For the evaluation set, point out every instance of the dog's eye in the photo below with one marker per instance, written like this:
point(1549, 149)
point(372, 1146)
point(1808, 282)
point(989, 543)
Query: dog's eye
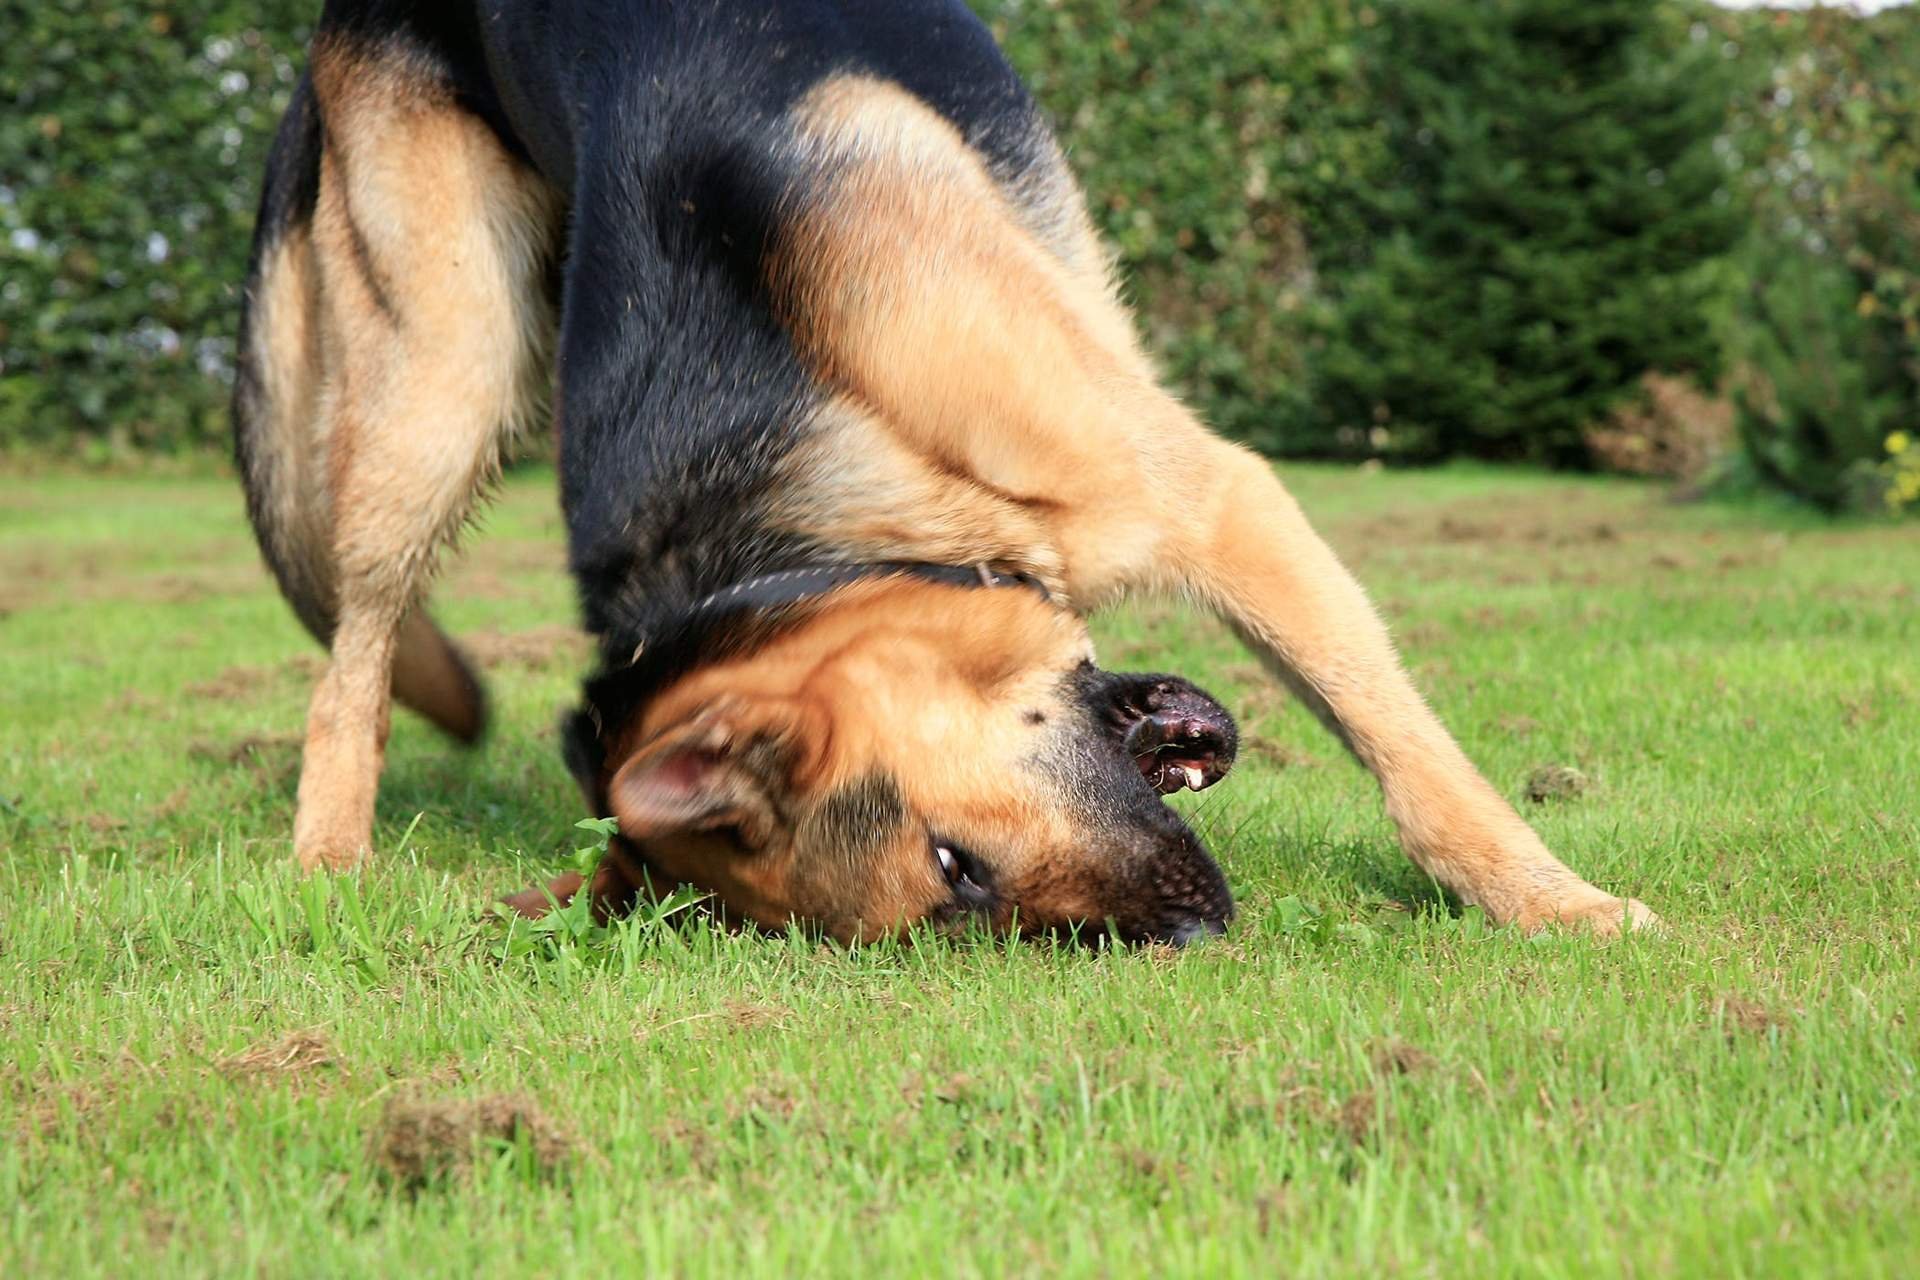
point(958, 866)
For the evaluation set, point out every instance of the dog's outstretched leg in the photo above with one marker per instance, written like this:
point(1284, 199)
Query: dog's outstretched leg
point(1255, 559)
point(408, 312)
point(1008, 360)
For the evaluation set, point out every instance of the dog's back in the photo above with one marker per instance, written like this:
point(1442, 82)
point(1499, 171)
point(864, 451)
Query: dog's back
point(814, 292)
point(662, 136)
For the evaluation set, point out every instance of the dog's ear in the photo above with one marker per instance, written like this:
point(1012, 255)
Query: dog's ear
point(724, 773)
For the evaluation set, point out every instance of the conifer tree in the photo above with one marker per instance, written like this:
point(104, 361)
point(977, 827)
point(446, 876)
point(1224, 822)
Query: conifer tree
point(1555, 193)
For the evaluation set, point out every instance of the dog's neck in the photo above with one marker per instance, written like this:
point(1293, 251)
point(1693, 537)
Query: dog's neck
point(728, 623)
point(733, 620)
point(789, 587)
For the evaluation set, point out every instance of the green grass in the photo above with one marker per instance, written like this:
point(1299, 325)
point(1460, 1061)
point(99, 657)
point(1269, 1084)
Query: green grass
point(203, 1058)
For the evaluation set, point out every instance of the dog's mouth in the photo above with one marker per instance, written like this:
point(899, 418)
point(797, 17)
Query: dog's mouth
point(1179, 738)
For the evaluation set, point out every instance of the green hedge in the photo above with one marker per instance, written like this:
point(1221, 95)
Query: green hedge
point(1828, 330)
point(1227, 149)
point(130, 157)
point(1247, 159)
point(1216, 137)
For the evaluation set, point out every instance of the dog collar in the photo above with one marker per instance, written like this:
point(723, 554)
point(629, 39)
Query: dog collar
point(795, 586)
point(582, 730)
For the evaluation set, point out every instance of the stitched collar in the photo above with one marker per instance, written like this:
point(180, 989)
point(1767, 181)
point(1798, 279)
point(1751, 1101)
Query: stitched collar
point(772, 591)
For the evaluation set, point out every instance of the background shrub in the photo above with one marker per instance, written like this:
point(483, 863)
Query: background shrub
point(1553, 197)
point(1227, 149)
point(130, 155)
point(1829, 325)
point(1401, 228)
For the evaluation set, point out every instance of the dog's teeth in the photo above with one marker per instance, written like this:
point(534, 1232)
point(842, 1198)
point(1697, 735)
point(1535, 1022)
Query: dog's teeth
point(1195, 778)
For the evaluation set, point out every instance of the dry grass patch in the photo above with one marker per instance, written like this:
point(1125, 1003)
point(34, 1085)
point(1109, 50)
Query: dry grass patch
point(421, 1141)
point(295, 1054)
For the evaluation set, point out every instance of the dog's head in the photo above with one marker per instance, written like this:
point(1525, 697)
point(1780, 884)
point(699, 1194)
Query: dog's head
point(916, 752)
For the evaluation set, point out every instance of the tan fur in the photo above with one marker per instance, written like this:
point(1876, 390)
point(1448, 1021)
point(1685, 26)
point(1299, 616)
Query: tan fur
point(431, 344)
point(285, 340)
point(990, 404)
point(932, 688)
point(1020, 421)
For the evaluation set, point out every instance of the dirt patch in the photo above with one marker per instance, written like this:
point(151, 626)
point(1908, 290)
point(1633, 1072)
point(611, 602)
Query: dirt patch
point(1858, 711)
point(52, 1106)
point(524, 555)
point(762, 1104)
point(1519, 726)
point(418, 1142)
point(534, 648)
point(1556, 782)
point(173, 804)
point(133, 702)
point(751, 1017)
point(1739, 1015)
point(1563, 521)
point(273, 757)
point(296, 1054)
point(1278, 754)
point(235, 684)
point(39, 579)
point(1359, 1117)
point(1397, 1057)
point(953, 1089)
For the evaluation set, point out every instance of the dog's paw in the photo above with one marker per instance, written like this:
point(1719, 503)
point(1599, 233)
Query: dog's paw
point(1605, 916)
point(332, 856)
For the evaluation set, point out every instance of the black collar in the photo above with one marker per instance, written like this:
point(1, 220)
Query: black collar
point(772, 591)
point(727, 623)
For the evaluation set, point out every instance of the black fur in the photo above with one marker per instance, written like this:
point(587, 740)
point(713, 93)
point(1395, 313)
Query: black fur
point(680, 392)
point(287, 201)
point(664, 126)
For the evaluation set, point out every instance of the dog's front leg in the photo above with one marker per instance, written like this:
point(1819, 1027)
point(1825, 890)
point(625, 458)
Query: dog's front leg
point(1252, 556)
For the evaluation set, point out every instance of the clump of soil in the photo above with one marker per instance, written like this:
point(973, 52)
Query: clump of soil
point(235, 684)
point(750, 1017)
point(295, 1054)
point(1397, 1057)
point(1740, 1014)
point(1278, 754)
point(1556, 782)
point(255, 748)
point(418, 1142)
point(1359, 1117)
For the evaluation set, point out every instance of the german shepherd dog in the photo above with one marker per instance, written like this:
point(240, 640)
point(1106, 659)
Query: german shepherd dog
point(853, 430)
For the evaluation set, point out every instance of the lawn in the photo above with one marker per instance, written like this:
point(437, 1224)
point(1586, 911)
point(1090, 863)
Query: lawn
point(208, 1064)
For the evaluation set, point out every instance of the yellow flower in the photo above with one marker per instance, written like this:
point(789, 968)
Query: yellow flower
point(1897, 443)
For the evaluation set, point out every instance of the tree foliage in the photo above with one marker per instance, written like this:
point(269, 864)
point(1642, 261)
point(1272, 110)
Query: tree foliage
point(130, 157)
point(1553, 197)
point(1829, 325)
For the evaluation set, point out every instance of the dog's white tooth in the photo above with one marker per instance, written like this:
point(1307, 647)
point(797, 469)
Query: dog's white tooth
point(1195, 778)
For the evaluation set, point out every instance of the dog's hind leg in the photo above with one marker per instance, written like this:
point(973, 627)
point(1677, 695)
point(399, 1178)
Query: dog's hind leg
point(396, 337)
point(280, 437)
